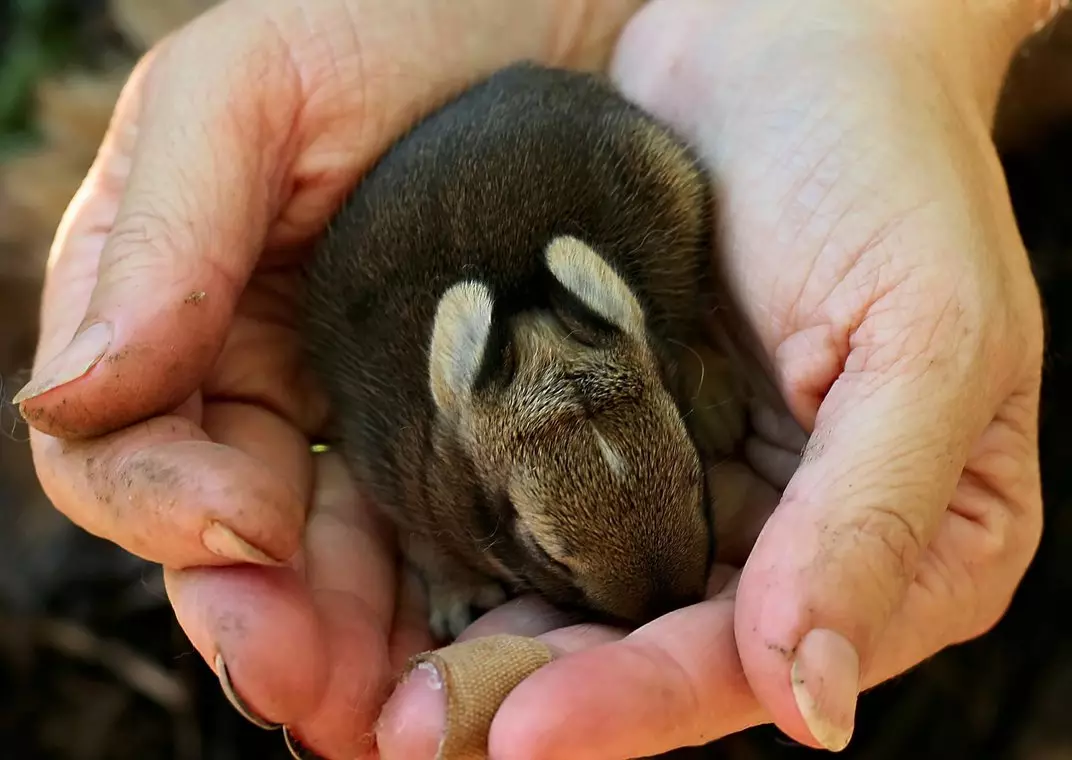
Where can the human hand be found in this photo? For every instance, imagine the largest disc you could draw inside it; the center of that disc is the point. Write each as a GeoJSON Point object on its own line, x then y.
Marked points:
{"type": "Point", "coordinates": [178, 422]}
{"type": "Point", "coordinates": [871, 243]}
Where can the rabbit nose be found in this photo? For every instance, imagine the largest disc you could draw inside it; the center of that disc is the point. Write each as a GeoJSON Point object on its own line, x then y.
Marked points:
{"type": "Point", "coordinates": [670, 592]}
{"type": "Point", "coordinates": [660, 604]}
{"type": "Point", "coordinates": [639, 594]}
{"type": "Point", "coordinates": [641, 606]}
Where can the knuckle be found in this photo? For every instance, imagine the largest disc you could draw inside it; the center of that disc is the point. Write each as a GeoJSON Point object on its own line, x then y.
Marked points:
{"type": "Point", "coordinates": [143, 237]}
{"type": "Point", "coordinates": [946, 336]}
{"type": "Point", "coordinates": [113, 490]}
{"type": "Point", "coordinates": [892, 544]}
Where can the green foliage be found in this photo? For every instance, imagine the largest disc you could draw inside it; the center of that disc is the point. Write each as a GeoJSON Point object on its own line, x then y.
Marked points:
{"type": "Point", "coordinates": [40, 38]}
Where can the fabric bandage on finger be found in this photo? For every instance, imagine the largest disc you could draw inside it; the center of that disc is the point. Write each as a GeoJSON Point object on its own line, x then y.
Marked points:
{"type": "Point", "coordinates": [477, 676]}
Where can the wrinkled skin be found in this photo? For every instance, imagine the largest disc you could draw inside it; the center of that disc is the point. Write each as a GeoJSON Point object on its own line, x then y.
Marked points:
{"type": "Point", "coordinates": [868, 235]}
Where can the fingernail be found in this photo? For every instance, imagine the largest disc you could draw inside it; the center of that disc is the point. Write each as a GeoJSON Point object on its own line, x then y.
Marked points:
{"type": "Point", "coordinates": [413, 722]}
{"type": "Point", "coordinates": [236, 701]}
{"type": "Point", "coordinates": [224, 542]}
{"type": "Point", "coordinates": [296, 749]}
{"type": "Point", "coordinates": [826, 683]}
{"type": "Point", "coordinates": [80, 356]}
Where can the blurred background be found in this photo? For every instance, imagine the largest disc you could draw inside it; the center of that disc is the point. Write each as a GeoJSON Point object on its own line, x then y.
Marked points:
{"type": "Point", "coordinates": [92, 666]}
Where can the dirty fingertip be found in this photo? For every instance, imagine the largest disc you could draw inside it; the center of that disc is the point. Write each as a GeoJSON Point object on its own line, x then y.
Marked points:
{"type": "Point", "coordinates": [75, 361]}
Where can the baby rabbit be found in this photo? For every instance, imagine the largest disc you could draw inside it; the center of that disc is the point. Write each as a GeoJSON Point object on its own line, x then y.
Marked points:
{"type": "Point", "coordinates": [506, 316]}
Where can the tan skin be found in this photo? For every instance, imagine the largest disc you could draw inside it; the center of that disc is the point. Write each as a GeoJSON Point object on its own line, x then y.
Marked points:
{"type": "Point", "coordinates": [918, 496]}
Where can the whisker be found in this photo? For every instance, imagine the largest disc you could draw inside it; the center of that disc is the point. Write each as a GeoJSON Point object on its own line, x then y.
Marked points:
{"type": "Point", "coordinates": [703, 367]}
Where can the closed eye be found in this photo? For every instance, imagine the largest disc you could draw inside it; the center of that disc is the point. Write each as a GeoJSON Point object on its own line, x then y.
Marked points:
{"type": "Point", "coordinates": [535, 547]}
{"type": "Point", "coordinates": [581, 324]}
{"type": "Point", "coordinates": [530, 544]}
{"type": "Point", "coordinates": [578, 332]}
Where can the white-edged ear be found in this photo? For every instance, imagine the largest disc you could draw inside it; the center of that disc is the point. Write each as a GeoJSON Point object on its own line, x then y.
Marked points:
{"type": "Point", "coordinates": [585, 274]}
{"type": "Point", "coordinates": [459, 339]}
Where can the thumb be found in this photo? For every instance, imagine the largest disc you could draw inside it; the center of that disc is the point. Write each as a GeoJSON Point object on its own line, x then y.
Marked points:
{"type": "Point", "coordinates": [838, 555]}
{"type": "Point", "coordinates": [158, 244]}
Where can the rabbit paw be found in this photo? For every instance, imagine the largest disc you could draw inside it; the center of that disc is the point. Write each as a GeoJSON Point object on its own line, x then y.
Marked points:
{"type": "Point", "coordinates": [453, 608]}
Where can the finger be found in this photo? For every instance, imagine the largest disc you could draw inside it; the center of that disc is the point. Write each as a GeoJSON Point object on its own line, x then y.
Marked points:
{"type": "Point", "coordinates": [414, 721]}
{"type": "Point", "coordinates": [962, 587]}
{"type": "Point", "coordinates": [263, 361]}
{"type": "Point", "coordinates": [330, 625]}
{"type": "Point", "coordinates": [166, 492]}
{"type": "Point", "coordinates": [216, 167]}
{"type": "Point", "coordinates": [351, 573]}
{"type": "Point", "coordinates": [266, 438]}
{"type": "Point", "coordinates": [247, 616]}
{"type": "Point", "coordinates": [837, 556]}
{"type": "Point", "coordinates": [675, 682]}
{"type": "Point", "coordinates": [169, 485]}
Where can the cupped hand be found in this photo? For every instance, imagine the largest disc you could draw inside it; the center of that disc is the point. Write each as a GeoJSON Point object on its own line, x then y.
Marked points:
{"type": "Point", "coordinates": [169, 409]}
{"type": "Point", "coordinates": [869, 238]}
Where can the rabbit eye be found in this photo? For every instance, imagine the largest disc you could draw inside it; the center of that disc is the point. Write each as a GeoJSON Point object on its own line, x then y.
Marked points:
{"type": "Point", "coordinates": [535, 548]}
{"type": "Point", "coordinates": [587, 333]}
{"type": "Point", "coordinates": [581, 324]}
{"type": "Point", "coordinates": [528, 543]}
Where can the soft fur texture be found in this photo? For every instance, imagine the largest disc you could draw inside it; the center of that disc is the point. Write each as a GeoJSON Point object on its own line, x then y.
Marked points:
{"type": "Point", "coordinates": [507, 316]}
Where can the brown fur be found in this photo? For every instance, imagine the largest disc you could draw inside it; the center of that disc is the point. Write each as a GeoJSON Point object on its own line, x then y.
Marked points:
{"type": "Point", "coordinates": [505, 316]}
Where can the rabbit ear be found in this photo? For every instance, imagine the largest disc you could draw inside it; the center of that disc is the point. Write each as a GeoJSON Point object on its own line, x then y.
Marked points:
{"type": "Point", "coordinates": [459, 342]}
{"type": "Point", "coordinates": [585, 274]}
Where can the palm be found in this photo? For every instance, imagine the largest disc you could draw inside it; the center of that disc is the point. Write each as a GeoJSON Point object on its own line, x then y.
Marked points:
{"type": "Point", "coordinates": [259, 396]}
